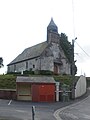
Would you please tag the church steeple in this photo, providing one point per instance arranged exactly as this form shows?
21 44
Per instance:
52 32
52 26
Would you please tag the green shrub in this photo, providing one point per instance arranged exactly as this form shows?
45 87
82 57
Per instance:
7 82
64 79
45 72
26 72
14 73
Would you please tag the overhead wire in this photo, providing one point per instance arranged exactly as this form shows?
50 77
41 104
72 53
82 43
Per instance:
75 35
79 56
83 50
74 29
73 18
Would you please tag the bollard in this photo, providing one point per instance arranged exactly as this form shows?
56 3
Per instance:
33 112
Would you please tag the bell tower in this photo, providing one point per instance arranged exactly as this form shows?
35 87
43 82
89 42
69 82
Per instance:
52 32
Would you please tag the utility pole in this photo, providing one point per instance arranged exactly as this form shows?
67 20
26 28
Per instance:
72 58
73 70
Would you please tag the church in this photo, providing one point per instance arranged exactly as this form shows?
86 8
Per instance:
47 55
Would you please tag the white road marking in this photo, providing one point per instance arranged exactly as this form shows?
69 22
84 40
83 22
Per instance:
22 111
69 115
9 102
57 112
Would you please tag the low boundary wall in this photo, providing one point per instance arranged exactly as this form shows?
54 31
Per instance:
80 86
7 94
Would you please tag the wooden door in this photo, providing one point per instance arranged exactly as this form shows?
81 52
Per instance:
55 69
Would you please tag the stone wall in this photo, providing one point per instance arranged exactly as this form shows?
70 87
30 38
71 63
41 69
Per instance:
53 53
43 63
47 63
59 55
21 66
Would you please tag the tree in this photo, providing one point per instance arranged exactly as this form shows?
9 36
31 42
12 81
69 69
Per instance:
68 50
1 62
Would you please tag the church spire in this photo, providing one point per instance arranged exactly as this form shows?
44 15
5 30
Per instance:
52 32
52 26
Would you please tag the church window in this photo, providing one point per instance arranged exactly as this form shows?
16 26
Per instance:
33 66
27 65
14 68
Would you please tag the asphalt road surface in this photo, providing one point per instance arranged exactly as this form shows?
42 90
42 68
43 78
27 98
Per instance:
76 111
19 110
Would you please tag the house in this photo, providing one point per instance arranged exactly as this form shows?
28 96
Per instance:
47 55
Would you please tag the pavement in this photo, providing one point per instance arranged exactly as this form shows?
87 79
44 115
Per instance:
20 110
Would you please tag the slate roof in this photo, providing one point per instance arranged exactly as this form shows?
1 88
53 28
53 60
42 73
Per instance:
30 52
35 79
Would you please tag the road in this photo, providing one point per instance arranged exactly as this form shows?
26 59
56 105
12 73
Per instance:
77 111
19 110
73 110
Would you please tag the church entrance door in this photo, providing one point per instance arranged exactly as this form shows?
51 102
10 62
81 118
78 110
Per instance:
55 68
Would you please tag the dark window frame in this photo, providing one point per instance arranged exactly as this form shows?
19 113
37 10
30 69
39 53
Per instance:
26 64
33 66
14 67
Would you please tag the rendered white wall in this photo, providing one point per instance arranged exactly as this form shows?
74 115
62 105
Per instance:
80 86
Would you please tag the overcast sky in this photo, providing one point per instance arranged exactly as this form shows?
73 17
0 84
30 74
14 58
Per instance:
23 23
